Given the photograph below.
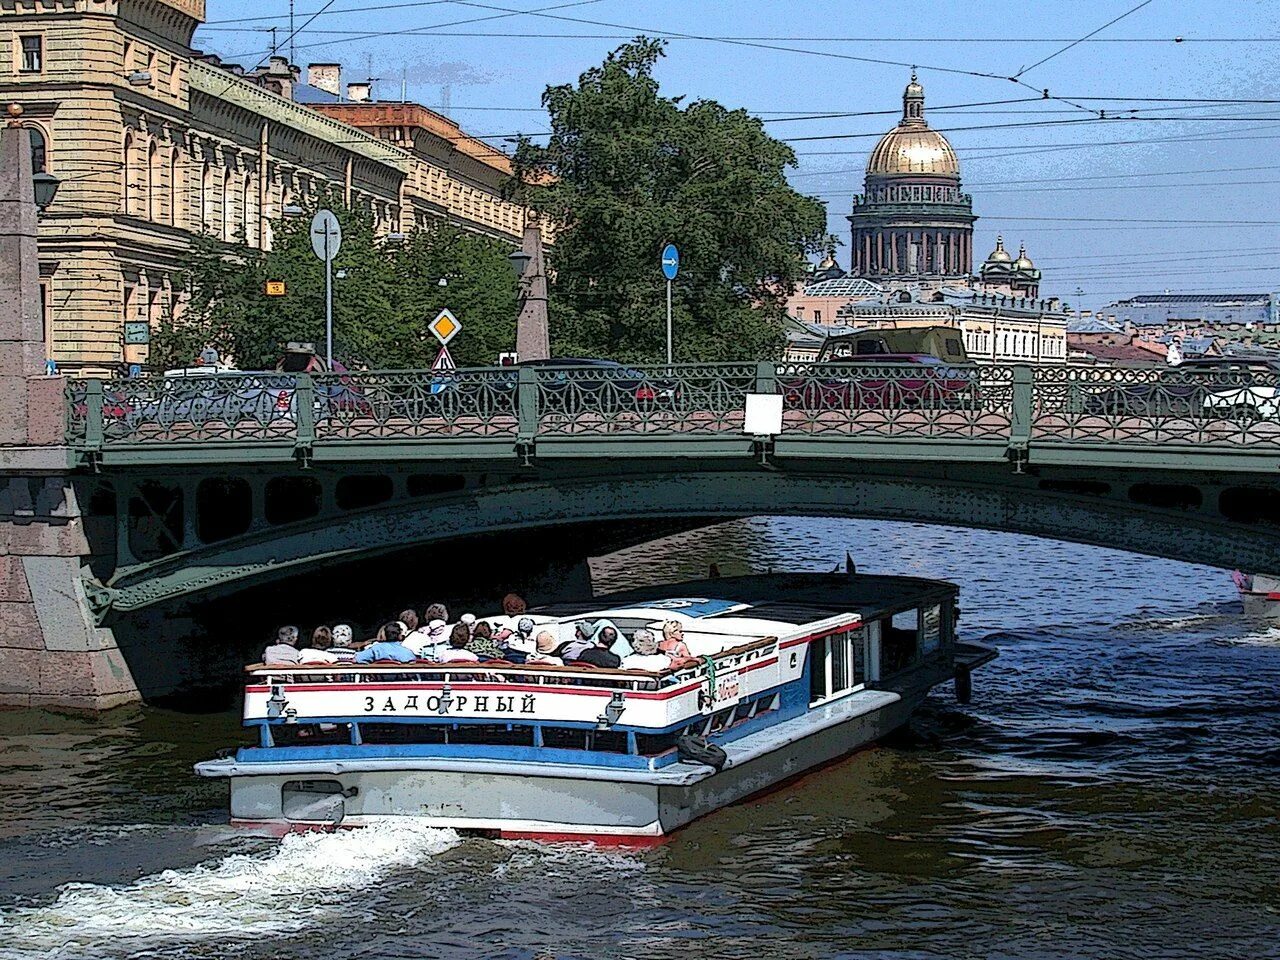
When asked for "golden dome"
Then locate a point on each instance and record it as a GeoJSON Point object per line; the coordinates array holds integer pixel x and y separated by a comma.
{"type": "Point", "coordinates": [1000, 254]}
{"type": "Point", "coordinates": [1023, 262]}
{"type": "Point", "coordinates": [911, 147]}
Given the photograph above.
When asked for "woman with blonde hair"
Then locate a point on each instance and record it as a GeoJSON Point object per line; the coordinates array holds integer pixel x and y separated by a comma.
{"type": "Point", "coordinates": [672, 642]}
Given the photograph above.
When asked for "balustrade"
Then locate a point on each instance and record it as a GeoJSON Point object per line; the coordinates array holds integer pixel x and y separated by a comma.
{"type": "Point", "coordinates": [1016, 405]}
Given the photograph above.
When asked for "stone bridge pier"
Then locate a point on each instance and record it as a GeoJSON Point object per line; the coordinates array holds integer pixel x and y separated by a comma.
{"type": "Point", "coordinates": [51, 653]}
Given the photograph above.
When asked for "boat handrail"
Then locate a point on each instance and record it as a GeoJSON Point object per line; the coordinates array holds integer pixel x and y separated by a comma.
{"type": "Point", "coordinates": [505, 667]}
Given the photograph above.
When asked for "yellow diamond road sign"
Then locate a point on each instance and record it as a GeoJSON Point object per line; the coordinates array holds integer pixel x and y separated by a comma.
{"type": "Point", "coordinates": [445, 327]}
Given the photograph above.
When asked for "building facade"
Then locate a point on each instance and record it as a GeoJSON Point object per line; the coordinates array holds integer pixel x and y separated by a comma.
{"type": "Point", "coordinates": [154, 143]}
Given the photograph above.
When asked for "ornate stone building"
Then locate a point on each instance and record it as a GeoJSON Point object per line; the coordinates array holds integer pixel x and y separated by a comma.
{"type": "Point", "coordinates": [154, 143]}
{"type": "Point", "coordinates": [912, 258]}
{"type": "Point", "coordinates": [912, 221]}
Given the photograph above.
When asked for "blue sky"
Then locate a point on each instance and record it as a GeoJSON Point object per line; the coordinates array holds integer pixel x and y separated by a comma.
{"type": "Point", "coordinates": [1106, 236]}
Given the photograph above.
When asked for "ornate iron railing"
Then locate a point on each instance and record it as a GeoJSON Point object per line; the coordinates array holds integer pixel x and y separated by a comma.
{"type": "Point", "coordinates": [686, 399]}
{"type": "Point", "coordinates": [1014, 404]}
{"type": "Point", "coordinates": [1113, 405]}
{"type": "Point", "coordinates": [897, 400]}
{"type": "Point", "coordinates": [409, 404]}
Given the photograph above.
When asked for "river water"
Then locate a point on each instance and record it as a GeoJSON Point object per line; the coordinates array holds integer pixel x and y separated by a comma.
{"type": "Point", "coordinates": [1112, 791]}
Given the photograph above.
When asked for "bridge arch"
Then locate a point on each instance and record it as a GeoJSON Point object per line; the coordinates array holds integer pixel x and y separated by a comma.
{"type": "Point", "coordinates": [1179, 520]}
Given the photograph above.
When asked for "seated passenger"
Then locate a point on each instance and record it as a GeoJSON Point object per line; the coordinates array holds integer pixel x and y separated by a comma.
{"type": "Point", "coordinates": [320, 649]}
{"type": "Point", "coordinates": [518, 645]}
{"type": "Point", "coordinates": [621, 645]}
{"type": "Point", "coordinates": [599, 653]}
{"type": "Point", "coordinates": [482, 643]}
{"type": "Point", "coordinates": [672, 642]}
{"type": "Point", "coordinates": [342, 650]}
{"type": "Point", "coordinates": [428, 641]}
{"type": "Point", "coordinates": [387, 647]}
{"type": "Point", "coordinates": [513, 605]}
{"type": "Point", "coordinates": [647, 656]}
{"type": "Point", "coordinates": [457, 651]}
{"type": "Point", "coordinates": [410, 620]}
{"type": "Point", "coordinates": [583, 631]}
{"type": "Point", "coordinates": [546, 644]}
{"type": "Point", "coordinates": [285, 649]}
{"type": "Point", "coordinates": [469, 621]}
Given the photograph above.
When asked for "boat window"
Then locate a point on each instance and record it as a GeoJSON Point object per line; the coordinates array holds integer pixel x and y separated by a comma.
{"type": "Point", "coordinates": [819, 687]}
{"type": "Point", "coordinates": [930, 630]}
{"type": "Point", "coordinates": [898, 642]}
{"type": "Point", "coordinates": [839, 663]}
{"type": "Point", "coordinates": [516, 736]}
{"type": "Point", "coordinates": [310, 734]}
{"type": "Point", "coordinates": [397, 733]}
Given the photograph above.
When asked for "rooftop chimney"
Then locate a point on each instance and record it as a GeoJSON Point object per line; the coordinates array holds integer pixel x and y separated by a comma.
{"type": "Point", "coordinates": [326, 77]}
{"type": "Point", "coordinates": [359, 92]}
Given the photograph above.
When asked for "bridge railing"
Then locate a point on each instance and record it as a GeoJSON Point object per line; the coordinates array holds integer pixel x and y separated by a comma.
{"type": "Point", "coordinates": [897, 400]}
{"type": "Point", "coordinates": [1117, 405]}
{"type": "Point", "coordinates": [1014, 404]}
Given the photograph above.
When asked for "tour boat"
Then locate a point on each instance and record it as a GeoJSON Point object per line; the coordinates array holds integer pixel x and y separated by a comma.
{"type": "Point", "coordinates": [787, 672]}
{"type": "Point", "coordinates": [1259, 593]}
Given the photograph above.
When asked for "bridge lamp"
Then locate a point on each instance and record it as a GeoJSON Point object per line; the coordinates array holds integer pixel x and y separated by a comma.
{"type": "Point", "coordinates": [46, 188]}
{"type": "Point", "coordinates": [519, 261]}
{"type": "Point", "coordinates": [292, 210]}
{"type": "Point", "coordinates": [139, 78]}
{"type": "Point", "coordinates": [395, 238]}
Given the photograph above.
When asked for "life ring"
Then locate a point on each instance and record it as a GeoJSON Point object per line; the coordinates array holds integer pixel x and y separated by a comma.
{"type": "Point", "coordinates": [694, 749]}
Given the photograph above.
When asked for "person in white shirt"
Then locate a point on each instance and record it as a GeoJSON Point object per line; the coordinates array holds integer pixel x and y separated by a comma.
{"type": "Point", "coordinates": [429, 641]}
{"type": "Point", "coordinates": [646, 655]}
{"type": "Point", "coordinates": [342, 650]}
{"type": "Point", "coordinates": [319, 650]}
{"type": "Point", "coordinates": [457, 651]}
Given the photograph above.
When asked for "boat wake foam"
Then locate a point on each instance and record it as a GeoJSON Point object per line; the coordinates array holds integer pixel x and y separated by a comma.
{"type": "Point", "coordinates": [240, 896]}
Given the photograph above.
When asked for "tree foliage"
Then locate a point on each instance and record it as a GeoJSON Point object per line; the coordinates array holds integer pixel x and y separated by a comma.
{"type": "Point", "coordinates": [628, 170]}
{"type": "Point", "coordinates": [382, 304]}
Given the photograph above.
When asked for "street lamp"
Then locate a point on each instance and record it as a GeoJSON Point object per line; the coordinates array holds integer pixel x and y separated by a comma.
{"type": "Point", "coordinates": [46, 188]}
{"type": "Point", "coordinates": [519, 261]}
{"type": "Point", "coordinates": [139, 78]}
{"type": "Point", "coordinates": [292, 210]}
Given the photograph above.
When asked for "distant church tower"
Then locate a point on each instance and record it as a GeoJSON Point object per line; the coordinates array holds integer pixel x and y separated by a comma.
{"type": "Point", "coordinates": [912, 221]}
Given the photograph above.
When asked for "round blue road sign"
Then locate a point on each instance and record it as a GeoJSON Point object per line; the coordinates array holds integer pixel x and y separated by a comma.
{"type": "Point", "coordinates": [670, 261]}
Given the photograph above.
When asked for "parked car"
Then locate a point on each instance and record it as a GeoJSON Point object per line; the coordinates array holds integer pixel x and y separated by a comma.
{"type": "Point", "coordinates": [869, 383]}
{"type": "Point", "coordinates": [1227, 387]}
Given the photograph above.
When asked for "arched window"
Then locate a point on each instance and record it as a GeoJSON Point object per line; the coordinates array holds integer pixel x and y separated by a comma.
{"type": "Point", "coordinates": [206, 198]}
{"type": "Point", "coordinates": [224, 230]}
{"type": "Point", "coordinates": [126, 183]}
{"type": "Point", "coordinates": [246, 190]}
{"type": "Point", "coordinates": [39, 151]}
{"type": "Point", "coordinates": [175, 192]}
{"type": "Point", "coordinates": [152, 199]}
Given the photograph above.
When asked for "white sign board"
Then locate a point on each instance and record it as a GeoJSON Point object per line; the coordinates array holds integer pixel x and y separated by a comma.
{"type": "Point", "coordinates": [763, 417]}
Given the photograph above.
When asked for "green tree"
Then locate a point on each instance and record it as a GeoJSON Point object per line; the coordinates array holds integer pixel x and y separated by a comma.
{"type": "Point", "coordinates": [382, 303]}
{"type": "Point", "coordinates": [626, 171]}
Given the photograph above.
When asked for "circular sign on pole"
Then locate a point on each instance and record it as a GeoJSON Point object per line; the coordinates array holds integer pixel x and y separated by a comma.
{"type": "Point", "coordinates": [326, 235]}
{"type": "Point", "coordinates": [670, 261]}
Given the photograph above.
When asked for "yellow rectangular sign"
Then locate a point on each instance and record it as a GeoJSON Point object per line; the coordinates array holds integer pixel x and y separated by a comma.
{"type": "Point", "coordinates": [275, 288]}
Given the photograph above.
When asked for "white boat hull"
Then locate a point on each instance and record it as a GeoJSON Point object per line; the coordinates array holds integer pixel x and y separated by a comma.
{"type": "Point", "coordinates": [551, 801]}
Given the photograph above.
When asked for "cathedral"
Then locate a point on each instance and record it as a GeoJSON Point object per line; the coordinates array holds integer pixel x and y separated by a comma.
{"type": "Point", "coordinates": [913, 224]}
{"type": "Point", "coordinates": [911, 235]}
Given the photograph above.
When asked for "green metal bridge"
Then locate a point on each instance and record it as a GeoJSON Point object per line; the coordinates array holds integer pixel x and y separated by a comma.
{"type": "Point", "coordinates": [201, 484]}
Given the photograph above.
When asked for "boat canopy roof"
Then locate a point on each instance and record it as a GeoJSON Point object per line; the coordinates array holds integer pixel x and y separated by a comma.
{"type": "Point", "coordinates": [755, 605]}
